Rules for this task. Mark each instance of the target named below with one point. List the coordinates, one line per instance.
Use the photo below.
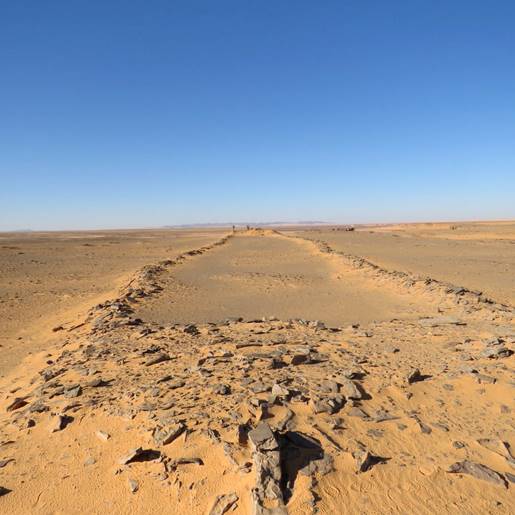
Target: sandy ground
(256, 276)
(50, 279)
(365, 389)
(479, 256)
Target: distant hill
(244, 224)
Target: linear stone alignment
(265, 274)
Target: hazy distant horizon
(215, 225)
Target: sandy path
(274, 276)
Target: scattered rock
(133, 485)
(138, 454)
(496, 353)
(280, 391)
(102, 435)
(59, 422)
(164, 436)
(329, 405)
(267, 493)
(262, 438)
(414, 376)
(159, 358)
(90, 461)
(349, 389)
(298, 359)
(17, 403)
(222, 389)
(478, 471)
(73, 391)
(499, 447)
(223, 503)
(365, 460)
(358, 412)
(439, 321)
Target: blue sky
(148, 113)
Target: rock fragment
(299, 358)
(172, 465)
(414, 376)
(364, 460)
(164, 436)
(73, 391)
(17, 403)
(223, 503)
(267, 493)
(329, 404)
(282, 424)
(133, 485)
(478, 471)
(496, 353)
(280, 391)
(262, 438)
(132, 455)
(499, 447)
(355, 411)
(439, 321)
(59, 422)
(349, 389)
(424, 428)
(158, 358)
(484, 379)
(102, 435)
(222, 389)
(4, 491)
(98, 382)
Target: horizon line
(220, 225)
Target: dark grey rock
(478, 471)
(159, 358)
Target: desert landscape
(279, 370)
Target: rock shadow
(299, 453)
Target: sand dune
(266, 373)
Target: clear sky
(147, 113)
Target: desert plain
(289, 370)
